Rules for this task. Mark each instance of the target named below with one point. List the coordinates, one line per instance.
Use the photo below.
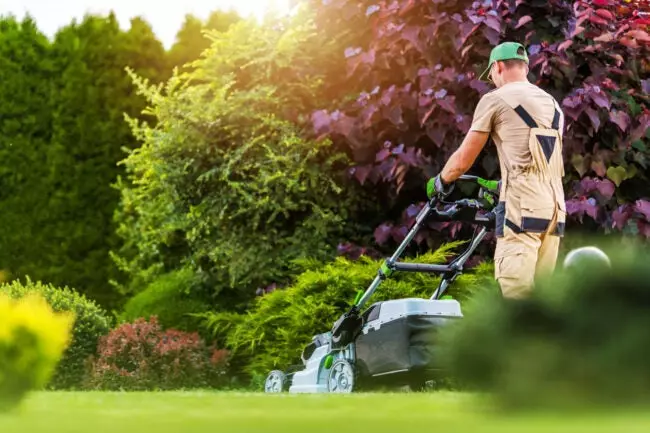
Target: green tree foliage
(224, 183)
(143, 52)
(62, 130)
(89, 100)
(25, 130)
(191, 40)
(279, 325)
(300, 57)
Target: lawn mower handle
(386, 269)
(493, 188)
(349, 324)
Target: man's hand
(436, 186)
(459, 162)
(465, 156)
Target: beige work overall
(531, 212)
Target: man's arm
(463, 158)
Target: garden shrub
(224, 183)
(143, 356)
(273, 332)
(32, 340)
(90, 323)
(580, 340)
(171, 298)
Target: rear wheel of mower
(342, 378)
(275, 382)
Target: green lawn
(239, 412)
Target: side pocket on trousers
(497, 267)
(507, 266)
(517, 266)
(536, 218)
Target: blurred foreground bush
(273, 333)
(32, 341)
(141, 356)
(579, 341)
(90, 323)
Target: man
(526, 125)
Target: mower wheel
(275, 382)
(417, 385)
(342, 377)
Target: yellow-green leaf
(616, 174)
(579, 163)
(631, 172)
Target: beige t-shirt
(495, 114)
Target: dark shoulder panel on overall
(556, 120)
(530, 122)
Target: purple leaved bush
(353, 252)
(383, 233)
(418, 70)
(645, 86)
(643, 207)
(268, 289)
(621, 216)
(627, 213)
(579, 207)
(588, 185)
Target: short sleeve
(485, 113)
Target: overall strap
(545, 146)
(547, 143)
(530, 122)
(527, 118)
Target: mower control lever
(457, 206)
(492, 186)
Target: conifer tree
(191, 40)
(25, 120)
(90, 96)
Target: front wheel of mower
(275, 382)
(342, 377)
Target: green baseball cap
(506, 51)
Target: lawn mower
(391, 342)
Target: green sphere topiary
(172, 299)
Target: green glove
(435, 186)
(490, 185)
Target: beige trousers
(531, 256)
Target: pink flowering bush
(141, 356)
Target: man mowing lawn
(526, 125)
